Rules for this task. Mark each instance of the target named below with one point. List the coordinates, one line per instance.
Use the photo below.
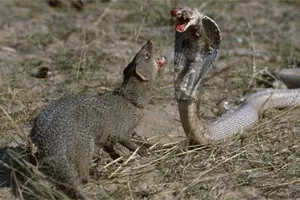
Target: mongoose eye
(147, 55)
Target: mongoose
(68, 130)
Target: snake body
(197, 43)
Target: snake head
(185, 17)
(197, 42)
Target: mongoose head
(139, 75)
(144, 65)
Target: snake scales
(197, 43)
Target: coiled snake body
(197, 43)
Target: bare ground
(86, 51)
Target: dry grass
(86, 52)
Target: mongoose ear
(142, 72)
(134, 69)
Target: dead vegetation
(85, 51)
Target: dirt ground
(86, 52)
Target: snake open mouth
(182, 22)
(160, 62)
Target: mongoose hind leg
(83, 163)
(83, 159)
(65, 175)
(112, 152)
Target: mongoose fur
(68, 130)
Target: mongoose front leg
(112, 152)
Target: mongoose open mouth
(183, 20)
(160, 62)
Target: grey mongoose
(67, 131)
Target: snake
(197, 45)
